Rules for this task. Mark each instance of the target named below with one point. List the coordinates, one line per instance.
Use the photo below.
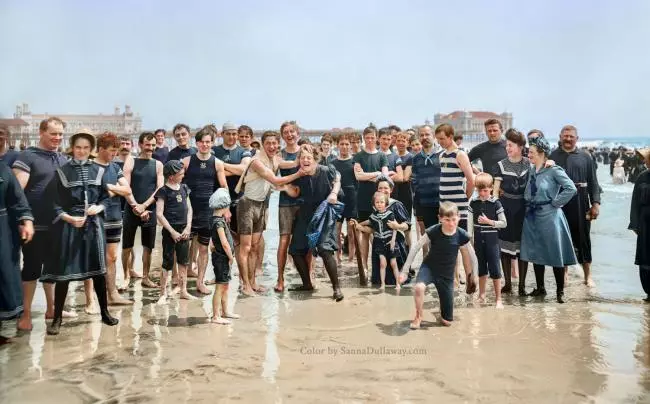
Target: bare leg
(586, 267)
(420, 232)
(283, 249)
(225, 313)
(163, 287)
(252, 263)
(515, 267)
(382, 271)
(193, 271)
(203, 266)
(244, 252)
(90, 300)
(127, 254)
(114, 297)
(418, 296)
(25, 321)
(260, 254)
(175, 281)
(393, 264)
(482, 285)
(217, 309)
(497, 292)
(351, 248)
(365, 248)
(182, 278)
(146, 265)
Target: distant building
(126, 123)
(471, 123)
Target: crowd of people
(489, 211)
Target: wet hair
(288, 123)
(380, 195)
(270, 133)
(327, 137)
(107, 139)
(309, 149)
(445, 129)
(493, 121)
(535, 131)
(160, 130)
(245, 128)
(447, 209)
(483, 180)
(516, 137)
(180, 126)
(207, 130)
(42, 127)
(146, 136)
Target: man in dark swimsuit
(162, 151)
(145, 176)
(491, 151)
(183, 149)
(202, 170)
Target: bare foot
(176, 290)
(219, 320)
(117, 300)
(24, 324)
(91, 309)
(589, 282)
(499, 304)
(193, 273)
(134, 275)
(398, 287)
(230, 315)
(481, 299)
(248, 292)
(415, 324)
(203, 290)
(187, 296)
(259, 289)
(279, 287)
(148, 283)
(382, 287)
(162, 300)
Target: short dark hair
(516, 137)
(245, 128)
(160, 130)
(146, 136)
(384, 132)
(446, 129)
(179, 126)
(327, 137)
(395, 128)
(493, 121)
(370, 129)
(458, 136)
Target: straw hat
(644, 153)
(86, 134)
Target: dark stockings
(558, 272)
(644, 275)
(61, 292)
(506, 264)
(330, 266)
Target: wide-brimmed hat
(644, 153)
(86, 134)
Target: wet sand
(299, 347)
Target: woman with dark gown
(16, 226)
(78, 194)
(640, 222)
(509, 186)
(318, 183)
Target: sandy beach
(299, 347)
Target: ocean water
(631, 142)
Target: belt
(581, 184)
(533, 207)
(512, 196)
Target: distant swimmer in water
(618, 176)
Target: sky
(332, 63)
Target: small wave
(615, 142)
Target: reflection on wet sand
(306, 348)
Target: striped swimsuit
(452, 183)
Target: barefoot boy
(222, 256)
(444, 240)
(174, 213)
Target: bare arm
(128, 169)
(336, 187)
(160, 181)
(470, 262)
(466, 166)
(224, 242)
(22, 177)
(286, 164)
(408, 170)
(399, 174)
(219, 166)
(190, 213)
(360, 175)
(268, 175)
(291, 190)
(236, 169)
(413, 252)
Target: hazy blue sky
(332, 63)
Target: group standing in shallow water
(526, 210)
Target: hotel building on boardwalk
(24, 128)
(471, 124)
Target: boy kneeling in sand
(438, 267)
(222, 256)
